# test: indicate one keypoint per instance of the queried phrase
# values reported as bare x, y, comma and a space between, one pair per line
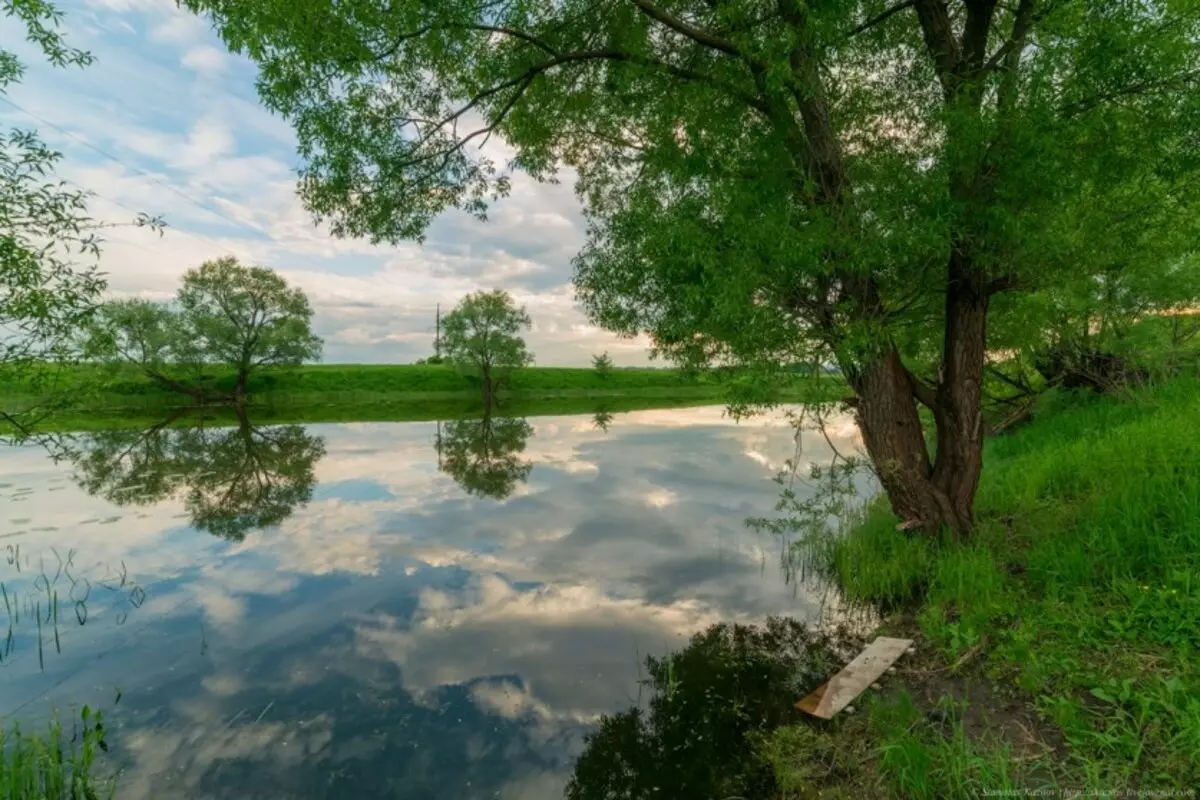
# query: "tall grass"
1082, 585
56, 764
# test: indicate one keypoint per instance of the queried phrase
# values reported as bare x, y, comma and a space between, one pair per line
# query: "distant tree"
602, 364
481, 337
247, 318
484, 455
148, 337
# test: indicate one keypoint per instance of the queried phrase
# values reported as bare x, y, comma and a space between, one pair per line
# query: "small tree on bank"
603, 365
247, 318
146, 336
481, 337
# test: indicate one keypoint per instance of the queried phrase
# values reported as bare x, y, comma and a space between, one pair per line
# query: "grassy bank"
366, 384
390, 408
1059, 648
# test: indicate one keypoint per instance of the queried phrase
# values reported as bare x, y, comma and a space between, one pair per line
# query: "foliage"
232, 480
53, 766
246, 317
45, 295
710, 703
484, 455
602, 364
148, 337
774, 182
481, 336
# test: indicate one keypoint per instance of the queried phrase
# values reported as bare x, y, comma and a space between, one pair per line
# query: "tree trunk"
927, 494
959, 407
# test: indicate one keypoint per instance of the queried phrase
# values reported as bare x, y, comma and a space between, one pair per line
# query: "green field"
393, 386
366, 393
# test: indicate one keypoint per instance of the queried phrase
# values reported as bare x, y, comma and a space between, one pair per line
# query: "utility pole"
437, 336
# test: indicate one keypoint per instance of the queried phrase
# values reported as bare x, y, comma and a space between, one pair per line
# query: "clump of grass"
52, 765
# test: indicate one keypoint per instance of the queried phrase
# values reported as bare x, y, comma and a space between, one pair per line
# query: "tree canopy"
246, 317
482, 336
772, 181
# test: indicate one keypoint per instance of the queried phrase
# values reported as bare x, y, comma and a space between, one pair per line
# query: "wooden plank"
840, 690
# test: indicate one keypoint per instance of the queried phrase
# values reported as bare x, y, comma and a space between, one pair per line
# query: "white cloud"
205, 59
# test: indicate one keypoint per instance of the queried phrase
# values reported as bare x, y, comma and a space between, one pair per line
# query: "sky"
167, 122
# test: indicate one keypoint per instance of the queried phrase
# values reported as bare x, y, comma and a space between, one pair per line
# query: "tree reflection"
710, 703
484, 455
232, 479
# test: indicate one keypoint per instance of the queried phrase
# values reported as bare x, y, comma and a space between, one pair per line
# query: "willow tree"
766, 181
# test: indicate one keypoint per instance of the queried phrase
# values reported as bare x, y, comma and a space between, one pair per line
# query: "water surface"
394, 609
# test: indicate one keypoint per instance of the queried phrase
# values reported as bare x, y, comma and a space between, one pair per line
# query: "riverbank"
1058, 648
1055, 653
317, 385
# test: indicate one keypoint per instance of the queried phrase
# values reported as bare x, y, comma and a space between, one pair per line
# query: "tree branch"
925, 393
880, 17
939, 40
698, 35
1023, 21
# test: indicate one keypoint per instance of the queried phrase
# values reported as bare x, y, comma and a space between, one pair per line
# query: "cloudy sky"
167, 122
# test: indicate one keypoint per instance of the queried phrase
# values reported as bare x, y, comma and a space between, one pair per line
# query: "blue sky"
180, 117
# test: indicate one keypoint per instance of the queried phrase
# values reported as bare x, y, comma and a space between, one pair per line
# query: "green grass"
1080, 591
364, 384
55, 764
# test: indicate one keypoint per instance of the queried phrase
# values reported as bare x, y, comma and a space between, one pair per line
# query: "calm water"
359, 610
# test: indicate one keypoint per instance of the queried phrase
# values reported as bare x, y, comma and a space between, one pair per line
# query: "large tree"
247, 318
482, 336
768, 181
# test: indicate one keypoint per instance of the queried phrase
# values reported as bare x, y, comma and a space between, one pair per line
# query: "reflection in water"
232, 479
484, 455
696, 738
400, 632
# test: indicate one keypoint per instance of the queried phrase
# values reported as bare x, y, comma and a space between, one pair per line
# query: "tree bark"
929, 494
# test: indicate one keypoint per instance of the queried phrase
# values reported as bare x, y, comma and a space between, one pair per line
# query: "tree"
481, 337
603, 365
44, 227
483, 455
768, 181
246, 317
148, 336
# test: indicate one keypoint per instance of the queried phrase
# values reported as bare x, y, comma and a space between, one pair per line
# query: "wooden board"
840, 690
